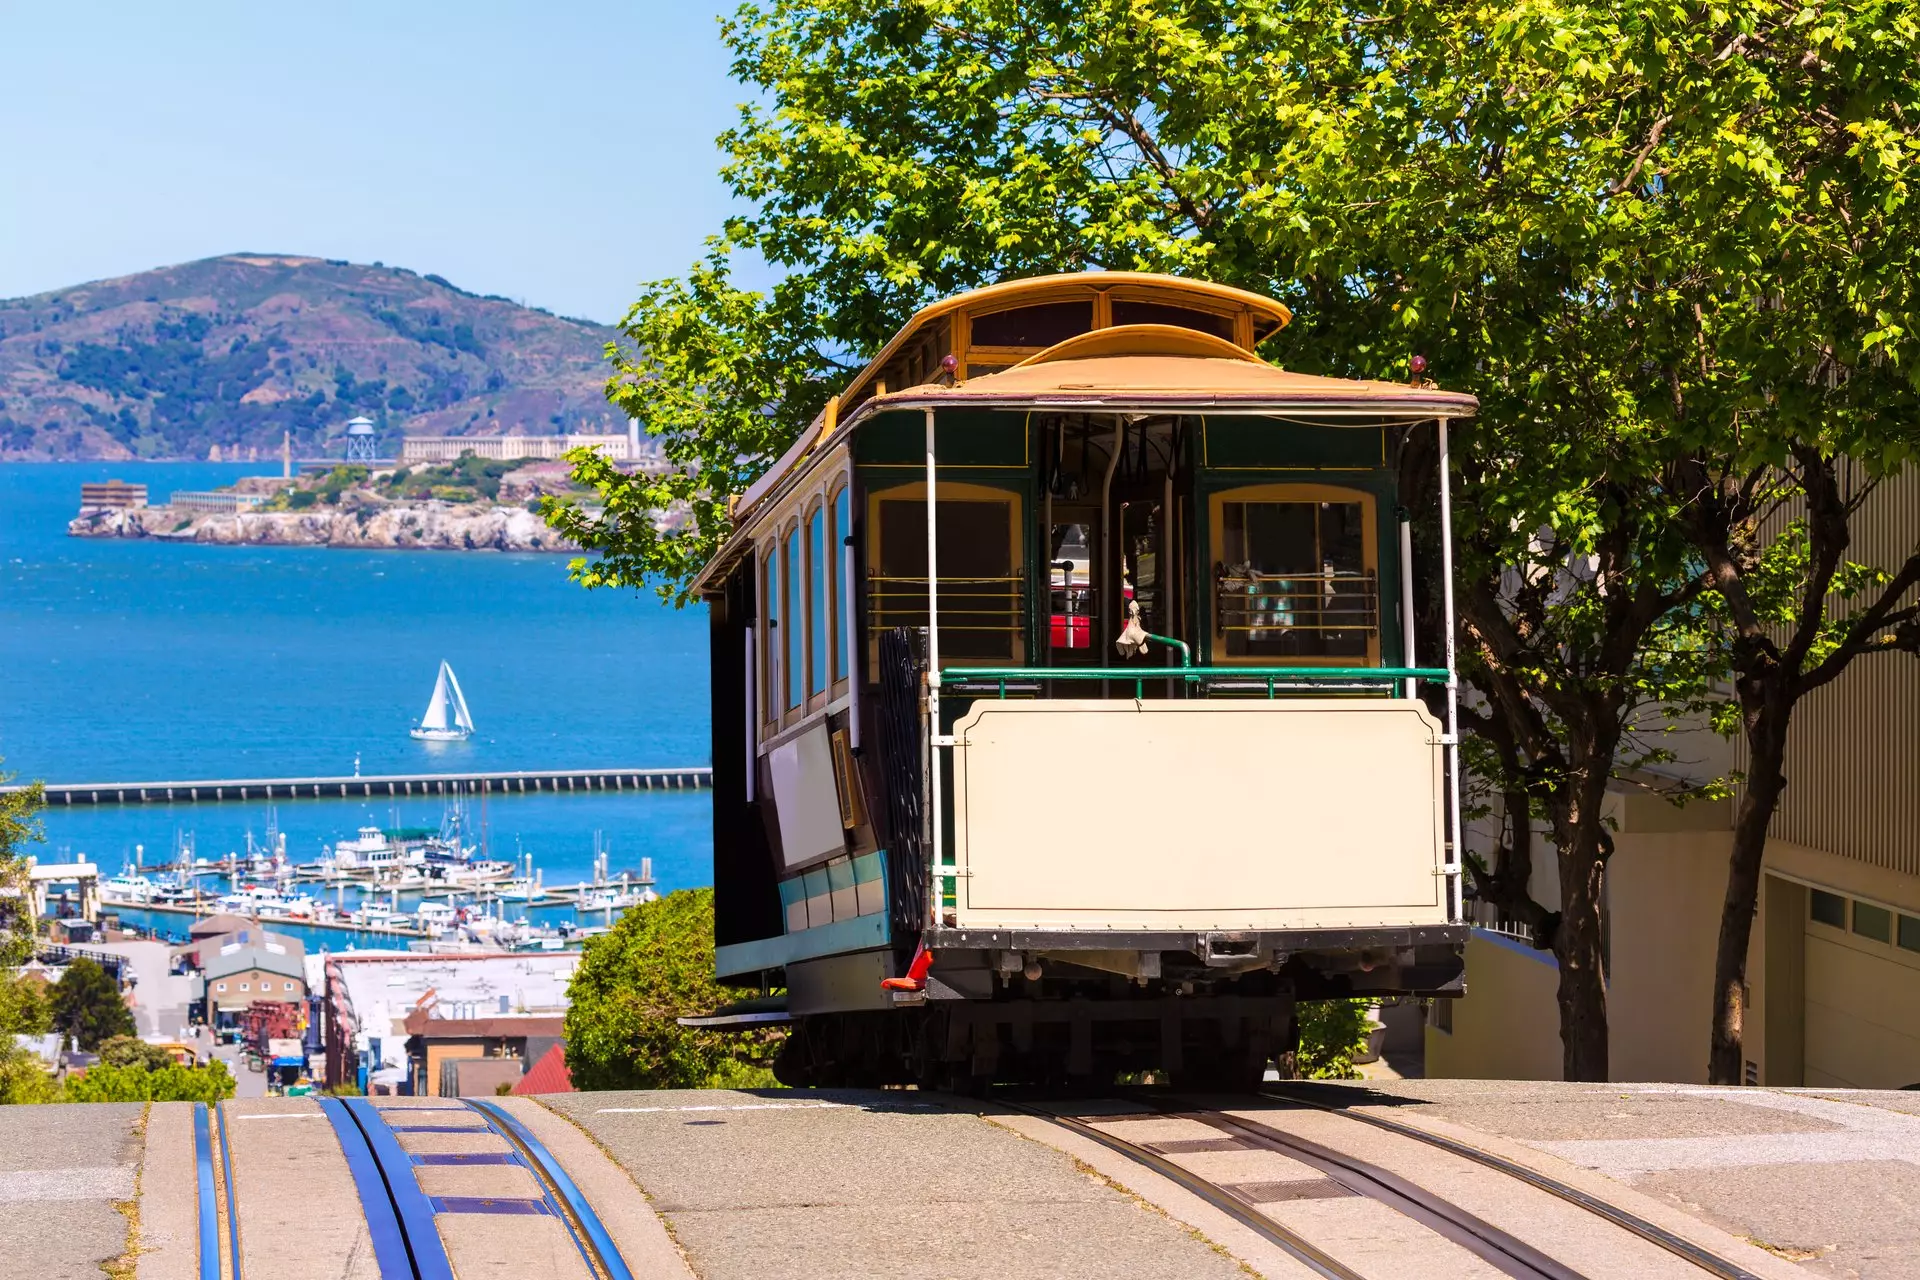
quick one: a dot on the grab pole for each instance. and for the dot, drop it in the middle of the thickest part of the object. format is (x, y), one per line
(934, 821)
(1455, 853)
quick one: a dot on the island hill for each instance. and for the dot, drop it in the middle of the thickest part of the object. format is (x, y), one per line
(239, 352)
(466, 504)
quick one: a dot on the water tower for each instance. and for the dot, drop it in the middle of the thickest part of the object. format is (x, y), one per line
(360, 440)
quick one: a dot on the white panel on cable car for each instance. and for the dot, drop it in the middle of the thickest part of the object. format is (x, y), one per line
(805, 799)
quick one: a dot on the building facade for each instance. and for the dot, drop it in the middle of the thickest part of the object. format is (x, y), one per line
(113, 494)
(631, 447)
(1834, 967)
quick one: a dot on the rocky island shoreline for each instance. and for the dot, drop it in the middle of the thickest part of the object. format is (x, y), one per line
(430, 525)
(470, 505)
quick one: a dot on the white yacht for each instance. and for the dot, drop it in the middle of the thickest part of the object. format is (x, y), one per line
(128, 887)
(371, 851)
(447, 718)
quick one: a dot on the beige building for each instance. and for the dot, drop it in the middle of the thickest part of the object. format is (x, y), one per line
(1834, 970)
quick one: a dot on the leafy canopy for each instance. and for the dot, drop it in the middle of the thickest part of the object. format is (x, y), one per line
(654, 967)
(87, 1005)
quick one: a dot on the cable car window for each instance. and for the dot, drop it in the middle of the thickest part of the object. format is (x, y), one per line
(836, 540)
(1128, 312)
(794, 610)
(981, 592)
(1070, 578)
(817, 642)
(1294, 580)
(1037, 326)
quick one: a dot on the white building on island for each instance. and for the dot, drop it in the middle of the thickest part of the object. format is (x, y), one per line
(631, 447)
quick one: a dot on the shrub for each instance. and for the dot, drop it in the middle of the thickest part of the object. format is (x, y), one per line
(656, 966)
(171, 1083)
(1332, 1034)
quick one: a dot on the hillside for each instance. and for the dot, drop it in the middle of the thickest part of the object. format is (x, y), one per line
(232, 351)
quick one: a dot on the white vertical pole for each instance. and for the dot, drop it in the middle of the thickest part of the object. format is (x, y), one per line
(1455, 909)
(934, 883)
(1406, 603)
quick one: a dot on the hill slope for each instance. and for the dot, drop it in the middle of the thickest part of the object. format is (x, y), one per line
(231, 351)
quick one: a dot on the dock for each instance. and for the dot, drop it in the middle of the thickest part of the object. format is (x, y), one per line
(343, 926)
(382, 786)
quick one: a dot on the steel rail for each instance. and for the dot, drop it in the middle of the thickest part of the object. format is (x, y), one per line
(1499, 1249)
(1706, 1260)
(391, 1254)
(596, 1244)
(207, 1203)
(1242, 1211)
(219, 1121)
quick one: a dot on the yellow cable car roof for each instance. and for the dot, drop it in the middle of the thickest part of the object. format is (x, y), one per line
(1161, 368)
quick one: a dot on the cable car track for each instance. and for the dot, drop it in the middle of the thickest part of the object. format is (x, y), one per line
(1702, 1258)
(1494, 1246)
(402, 1219)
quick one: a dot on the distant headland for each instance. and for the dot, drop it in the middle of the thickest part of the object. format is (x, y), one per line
(225, 357)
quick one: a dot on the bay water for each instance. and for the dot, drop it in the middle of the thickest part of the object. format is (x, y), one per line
(138, 660)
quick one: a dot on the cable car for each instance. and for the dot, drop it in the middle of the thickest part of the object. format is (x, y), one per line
(1067, 716)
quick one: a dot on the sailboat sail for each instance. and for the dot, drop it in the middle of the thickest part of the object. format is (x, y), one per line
(436, 717)
(462, 718)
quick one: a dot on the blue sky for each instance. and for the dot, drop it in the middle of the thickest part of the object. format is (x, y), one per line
(557, 153)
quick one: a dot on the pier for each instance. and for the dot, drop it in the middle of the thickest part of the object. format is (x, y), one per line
(382, 786)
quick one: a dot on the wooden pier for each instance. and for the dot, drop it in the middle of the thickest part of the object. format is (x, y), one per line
(381, 786)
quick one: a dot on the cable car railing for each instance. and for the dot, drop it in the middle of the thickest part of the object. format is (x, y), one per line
(1262, 608)
(996, 604)
(1275, 679)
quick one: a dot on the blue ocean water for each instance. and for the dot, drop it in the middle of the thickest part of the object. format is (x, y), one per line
(137, 660)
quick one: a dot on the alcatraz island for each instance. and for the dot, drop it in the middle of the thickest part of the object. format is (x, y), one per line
(451, 493)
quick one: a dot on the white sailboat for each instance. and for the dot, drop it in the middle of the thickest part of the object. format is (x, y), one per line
(447, 718)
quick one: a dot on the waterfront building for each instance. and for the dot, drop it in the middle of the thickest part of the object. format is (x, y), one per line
(112, 494)
(216, 502)
(239, 974)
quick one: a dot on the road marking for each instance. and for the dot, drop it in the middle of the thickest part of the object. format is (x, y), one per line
(741, 1106)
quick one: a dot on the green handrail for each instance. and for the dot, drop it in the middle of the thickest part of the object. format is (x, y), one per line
(1195, 675)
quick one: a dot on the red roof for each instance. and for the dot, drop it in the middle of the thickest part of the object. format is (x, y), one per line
(549, 1075)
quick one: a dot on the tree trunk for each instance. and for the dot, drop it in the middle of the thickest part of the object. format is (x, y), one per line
(1579, 944)
(1766, 779)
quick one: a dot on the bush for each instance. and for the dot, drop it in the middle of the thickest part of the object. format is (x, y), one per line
(131, 1051)
(1332, 1034)
(301, 499)
(171, 1083)
(23, 1079)
(656, 966)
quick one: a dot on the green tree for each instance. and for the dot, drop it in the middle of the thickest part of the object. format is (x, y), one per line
(138, 1083)
(1669, 247)
(19, 825)
(654, 967)
(24, 1009)
(88, 1006)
